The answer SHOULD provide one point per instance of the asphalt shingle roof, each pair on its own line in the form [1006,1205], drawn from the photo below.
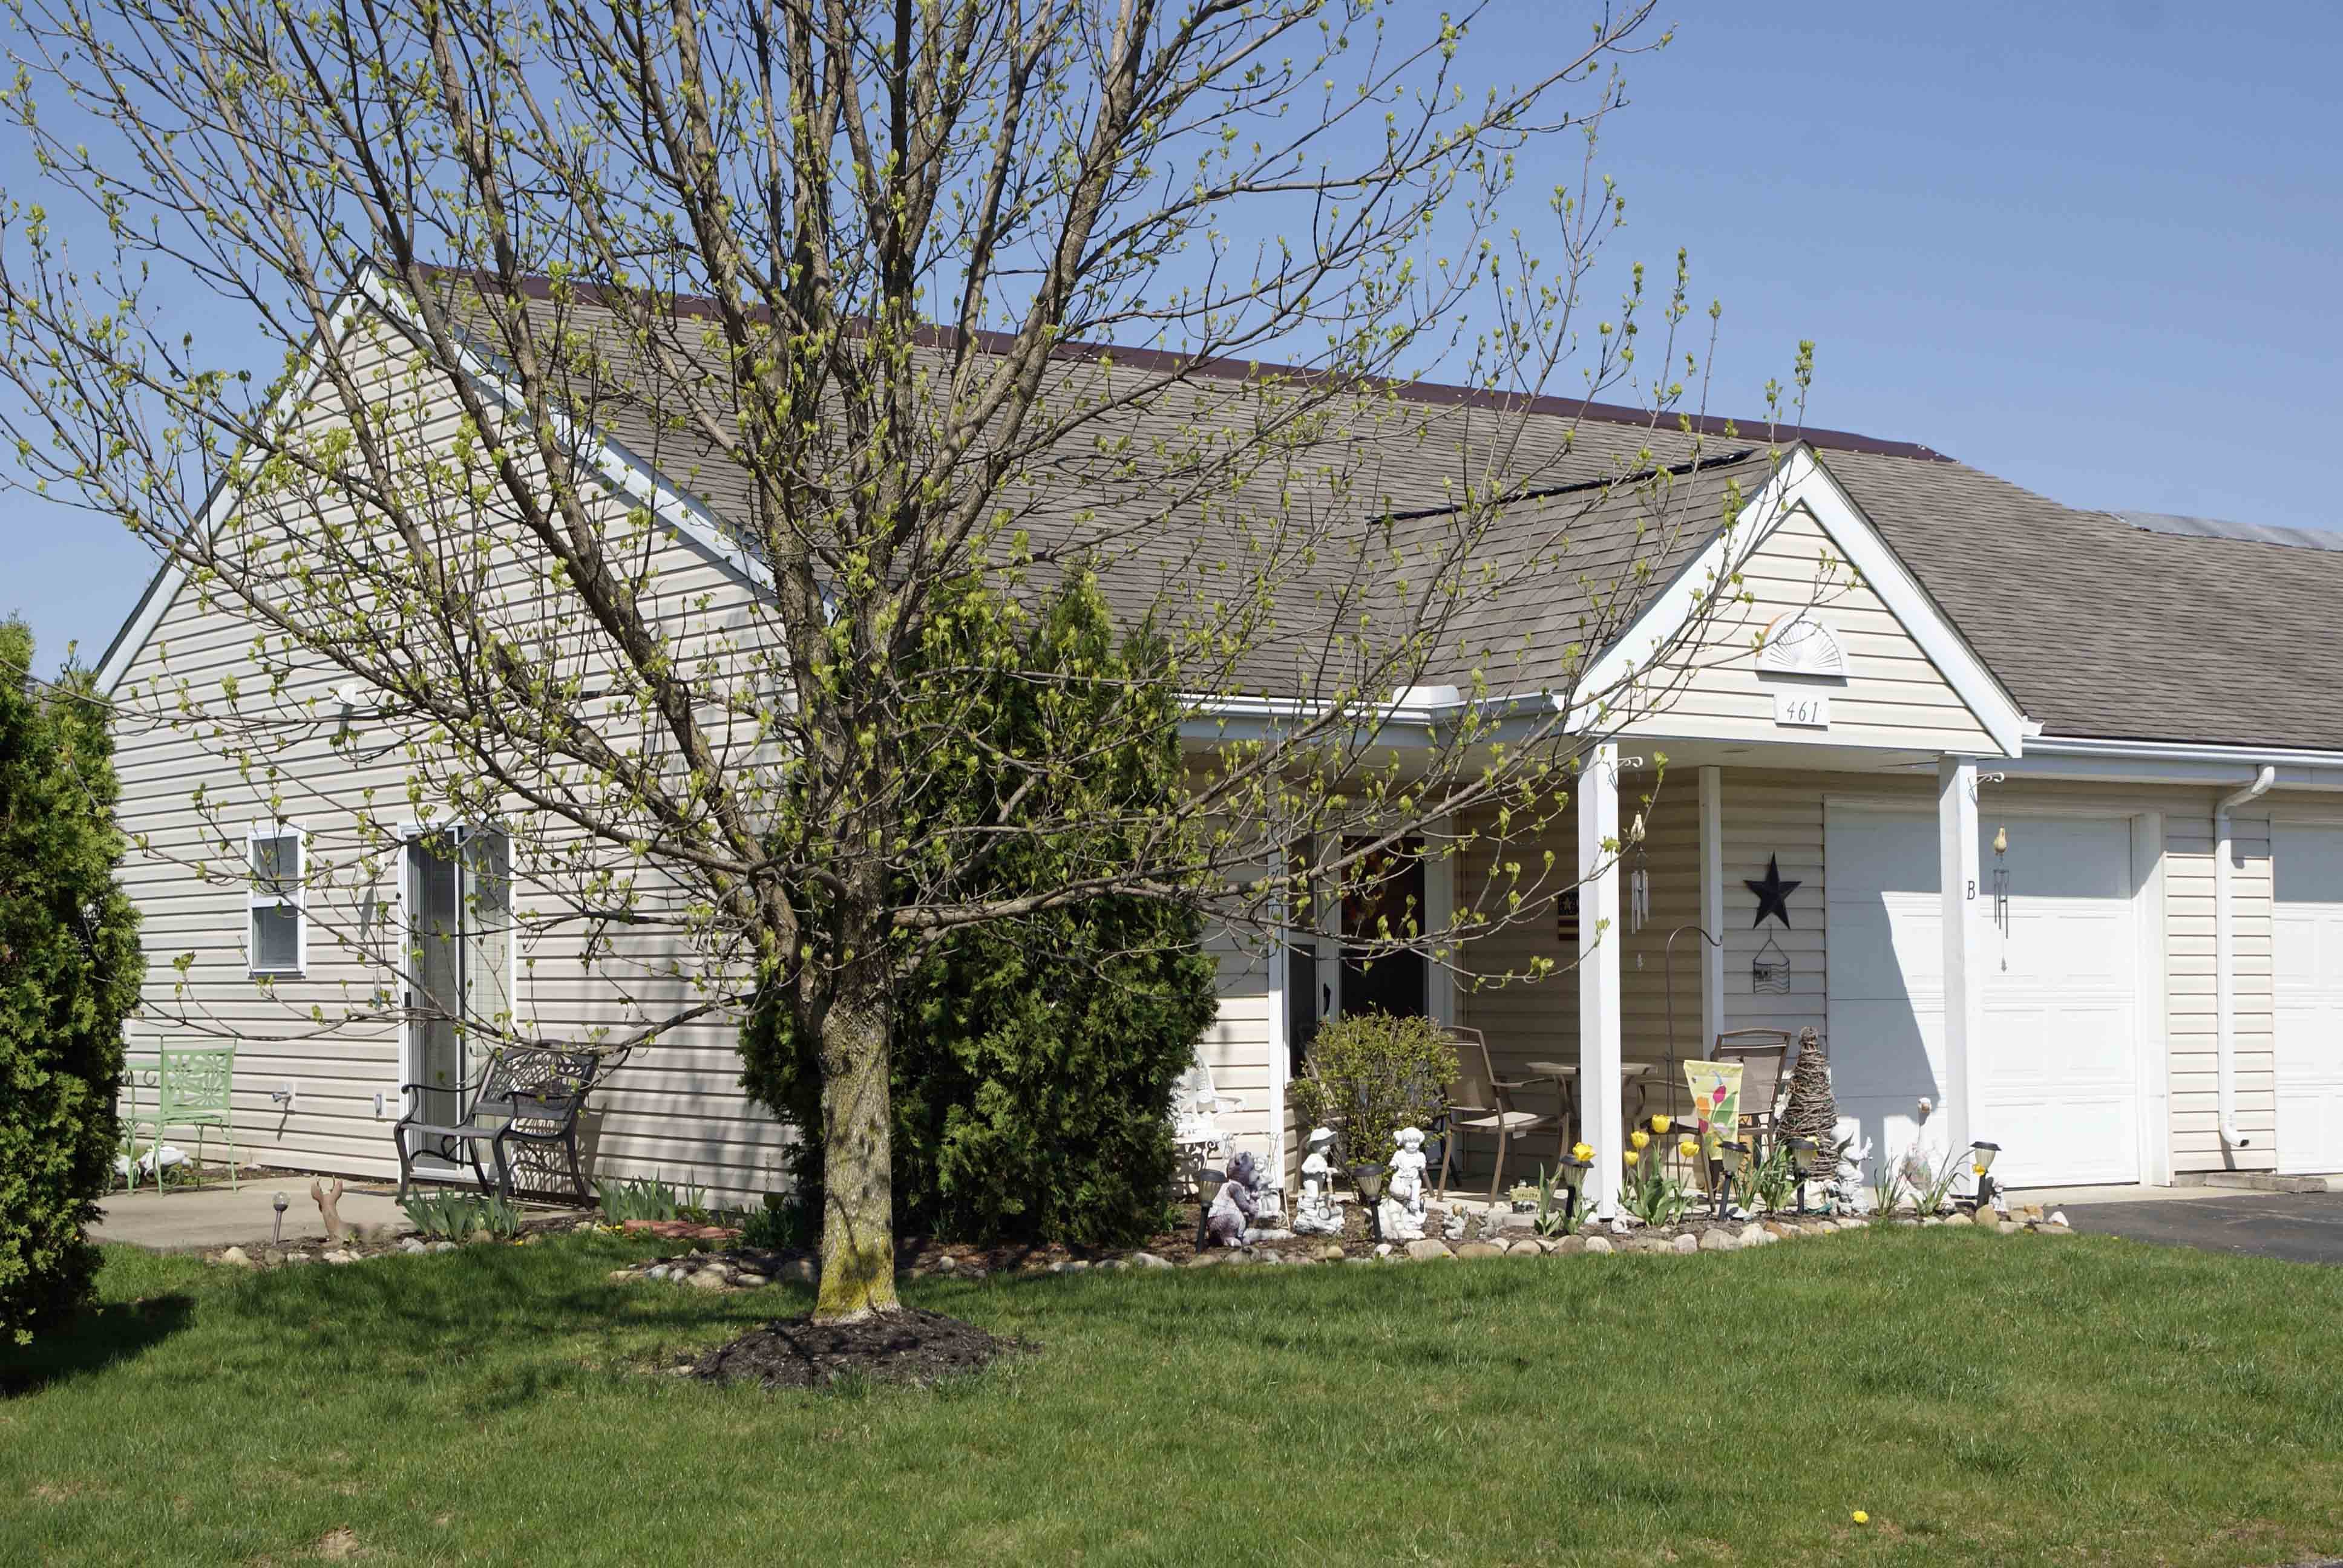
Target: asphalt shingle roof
[2104,629]
[2096,627]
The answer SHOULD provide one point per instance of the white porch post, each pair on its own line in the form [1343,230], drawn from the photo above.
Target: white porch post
[1711,906]
[1439,911]
[1957,874]
[1598,972]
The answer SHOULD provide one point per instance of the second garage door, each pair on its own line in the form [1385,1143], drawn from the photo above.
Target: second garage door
[2057,1064]
[2308,949]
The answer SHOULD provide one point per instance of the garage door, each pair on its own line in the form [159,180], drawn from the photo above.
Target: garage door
[2308,945]
[2057,1064]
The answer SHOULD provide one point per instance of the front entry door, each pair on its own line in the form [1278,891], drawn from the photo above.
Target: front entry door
[459,961]
[1387,905]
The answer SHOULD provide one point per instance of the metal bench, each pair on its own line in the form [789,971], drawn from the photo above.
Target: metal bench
[526,1112]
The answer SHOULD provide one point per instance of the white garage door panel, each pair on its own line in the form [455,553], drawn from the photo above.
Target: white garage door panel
[2057,1065]
[1885,973]
[2307,933]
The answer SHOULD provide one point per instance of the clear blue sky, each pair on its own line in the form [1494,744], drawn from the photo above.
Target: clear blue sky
[2093,247]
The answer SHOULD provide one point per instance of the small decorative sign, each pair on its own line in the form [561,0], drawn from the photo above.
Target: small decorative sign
[1769,973]
[1802,709]
[1566,916]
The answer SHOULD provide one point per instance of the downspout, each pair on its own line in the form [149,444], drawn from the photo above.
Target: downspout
[2224,954]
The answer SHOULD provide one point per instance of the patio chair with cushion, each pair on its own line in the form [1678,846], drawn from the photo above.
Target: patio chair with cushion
[1483,1102]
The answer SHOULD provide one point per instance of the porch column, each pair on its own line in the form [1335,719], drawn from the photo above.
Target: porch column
[1598,972]
[1957,874]
[1439,913]
[1711,907]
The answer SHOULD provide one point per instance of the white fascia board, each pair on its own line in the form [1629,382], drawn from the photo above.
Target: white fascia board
[1394,724]
[161,593]
[622,469]
[1801,482]
[2175,762]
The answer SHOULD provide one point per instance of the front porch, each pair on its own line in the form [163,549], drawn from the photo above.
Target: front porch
[1647,982]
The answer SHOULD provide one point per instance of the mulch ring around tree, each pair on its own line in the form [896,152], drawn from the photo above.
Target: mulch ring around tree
[907,1346]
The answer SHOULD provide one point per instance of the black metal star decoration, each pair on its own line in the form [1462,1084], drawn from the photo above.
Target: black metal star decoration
[1773,893]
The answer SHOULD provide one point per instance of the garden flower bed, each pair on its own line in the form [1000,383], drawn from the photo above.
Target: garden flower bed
[1488,1234]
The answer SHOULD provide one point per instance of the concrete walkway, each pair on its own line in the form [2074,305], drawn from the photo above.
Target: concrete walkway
[193,1220]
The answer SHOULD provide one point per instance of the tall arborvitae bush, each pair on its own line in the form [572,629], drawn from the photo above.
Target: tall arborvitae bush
[1034,1058]
[69,974]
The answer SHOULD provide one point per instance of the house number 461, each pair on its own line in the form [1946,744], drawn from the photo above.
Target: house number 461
[1804,709]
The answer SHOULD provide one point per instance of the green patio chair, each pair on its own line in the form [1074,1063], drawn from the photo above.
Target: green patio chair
[192,1091]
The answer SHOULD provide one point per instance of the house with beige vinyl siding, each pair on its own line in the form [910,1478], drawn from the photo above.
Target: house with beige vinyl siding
[2056,795]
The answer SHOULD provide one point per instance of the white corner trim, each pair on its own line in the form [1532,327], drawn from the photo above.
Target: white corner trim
[1802,482]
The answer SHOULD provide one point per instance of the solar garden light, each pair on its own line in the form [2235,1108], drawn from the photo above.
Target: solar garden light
[1981,1165]
[1207,1187]
[1806,1159]
[1368,1178]
[1733,1157]
[277,1231]
[1573,1180]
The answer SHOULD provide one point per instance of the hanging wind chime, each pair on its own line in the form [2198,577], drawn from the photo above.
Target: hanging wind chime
[1639,880]
[2001,889]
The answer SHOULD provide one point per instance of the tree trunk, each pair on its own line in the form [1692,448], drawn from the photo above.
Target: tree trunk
[857,1231]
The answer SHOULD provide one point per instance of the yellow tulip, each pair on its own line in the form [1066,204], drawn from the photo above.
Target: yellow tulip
[1630,1157]
[1687,1148]
[1581,1151]
[1640,1138]
[1659,1124]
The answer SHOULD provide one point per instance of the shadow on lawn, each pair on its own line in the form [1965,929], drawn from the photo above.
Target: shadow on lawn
[97,1338]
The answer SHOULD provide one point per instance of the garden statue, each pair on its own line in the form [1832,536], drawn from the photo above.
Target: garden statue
[329,1207]
[1316,1214]
[1228,1223]
[1233,1208]
[1403,1206]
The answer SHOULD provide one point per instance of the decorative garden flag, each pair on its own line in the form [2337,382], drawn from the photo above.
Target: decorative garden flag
[1716,1096]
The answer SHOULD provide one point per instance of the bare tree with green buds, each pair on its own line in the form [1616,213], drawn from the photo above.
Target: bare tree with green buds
[835,282]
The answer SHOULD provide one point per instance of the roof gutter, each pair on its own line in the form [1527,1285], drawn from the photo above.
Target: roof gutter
[2224,952]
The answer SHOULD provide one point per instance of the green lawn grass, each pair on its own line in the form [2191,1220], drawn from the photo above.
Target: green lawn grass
[1984,1399]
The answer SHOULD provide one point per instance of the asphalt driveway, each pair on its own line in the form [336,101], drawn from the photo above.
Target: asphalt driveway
[2301,1227]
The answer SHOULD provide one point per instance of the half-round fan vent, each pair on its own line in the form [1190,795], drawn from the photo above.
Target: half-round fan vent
[1799,644]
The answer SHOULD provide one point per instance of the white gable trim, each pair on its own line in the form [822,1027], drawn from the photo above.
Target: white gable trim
[619,468]
[163,590]
[1802,482]
[692,522]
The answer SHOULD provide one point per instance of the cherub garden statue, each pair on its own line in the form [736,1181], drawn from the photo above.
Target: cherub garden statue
[1315,1215]
[1403,1205]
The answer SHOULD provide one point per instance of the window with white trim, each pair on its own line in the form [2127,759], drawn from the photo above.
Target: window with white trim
[277,938]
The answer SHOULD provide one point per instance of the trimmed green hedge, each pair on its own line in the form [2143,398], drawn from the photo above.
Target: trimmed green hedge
[1033,1059]
[69,974]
